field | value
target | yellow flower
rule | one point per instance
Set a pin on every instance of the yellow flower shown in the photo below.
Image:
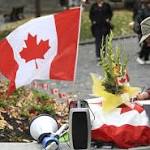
(117, 70)
(112, 101)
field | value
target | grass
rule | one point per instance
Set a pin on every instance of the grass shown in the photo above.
(120, 20)
(8, 27)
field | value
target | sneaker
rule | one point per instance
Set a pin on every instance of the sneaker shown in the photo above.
(147, 62)
(140, 61)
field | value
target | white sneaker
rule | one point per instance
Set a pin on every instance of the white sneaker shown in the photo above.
(147, 62)
(140, 61)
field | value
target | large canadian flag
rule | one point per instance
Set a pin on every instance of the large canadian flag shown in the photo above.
(43, 48)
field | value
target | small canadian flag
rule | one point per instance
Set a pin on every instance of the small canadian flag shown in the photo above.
(35, 84)
(55, 91)
(63, 95)
(45, 86)
(124, 80)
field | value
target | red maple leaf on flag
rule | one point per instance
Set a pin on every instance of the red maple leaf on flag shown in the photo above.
(122, 80)
(33, 49)
(136, 107)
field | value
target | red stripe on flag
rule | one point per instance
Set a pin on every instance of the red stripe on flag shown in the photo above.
(67, 27)
(8, 65)
(125, 136)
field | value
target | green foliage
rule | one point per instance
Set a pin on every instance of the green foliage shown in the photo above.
(121, 20)
(8, 27)
(48, 109)
(3, 104)
(4, 33)
(24, 102)
(85, 26)
(43, 96)
(41, 103)
(113, 66)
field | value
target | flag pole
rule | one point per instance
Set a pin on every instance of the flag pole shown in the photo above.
(76, 96)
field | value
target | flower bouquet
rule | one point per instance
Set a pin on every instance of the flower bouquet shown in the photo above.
(114, 85)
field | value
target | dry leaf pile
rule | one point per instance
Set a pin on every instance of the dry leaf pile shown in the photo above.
(17, 110)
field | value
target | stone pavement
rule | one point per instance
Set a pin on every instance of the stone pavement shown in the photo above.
(28, 146)
(35, 146)
(139, 76)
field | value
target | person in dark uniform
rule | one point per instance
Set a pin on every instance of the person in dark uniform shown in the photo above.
(64, 3)
(136, 7)
(143, 13)
(100, 15)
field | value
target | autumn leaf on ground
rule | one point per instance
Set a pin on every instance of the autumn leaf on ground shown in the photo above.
(33, 49)
(3, 122)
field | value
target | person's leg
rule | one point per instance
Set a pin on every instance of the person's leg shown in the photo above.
(144, 55)
(140, 57)
(144, 52)
(97, 46)
(141, 53)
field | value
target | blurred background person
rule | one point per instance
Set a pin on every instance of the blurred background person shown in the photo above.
(100, 15)
(64, 3)
(145, 28)
(142, 13)
(136, 7)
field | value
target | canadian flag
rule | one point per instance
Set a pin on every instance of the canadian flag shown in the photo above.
(63, 95)
(124, 80)
(125, 127)
(43, 48)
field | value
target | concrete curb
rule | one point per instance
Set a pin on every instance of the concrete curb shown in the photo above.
(91, 41)
(36, 146)
(20, 146)
(28, 146)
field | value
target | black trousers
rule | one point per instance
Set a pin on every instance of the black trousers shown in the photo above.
(145, 52)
